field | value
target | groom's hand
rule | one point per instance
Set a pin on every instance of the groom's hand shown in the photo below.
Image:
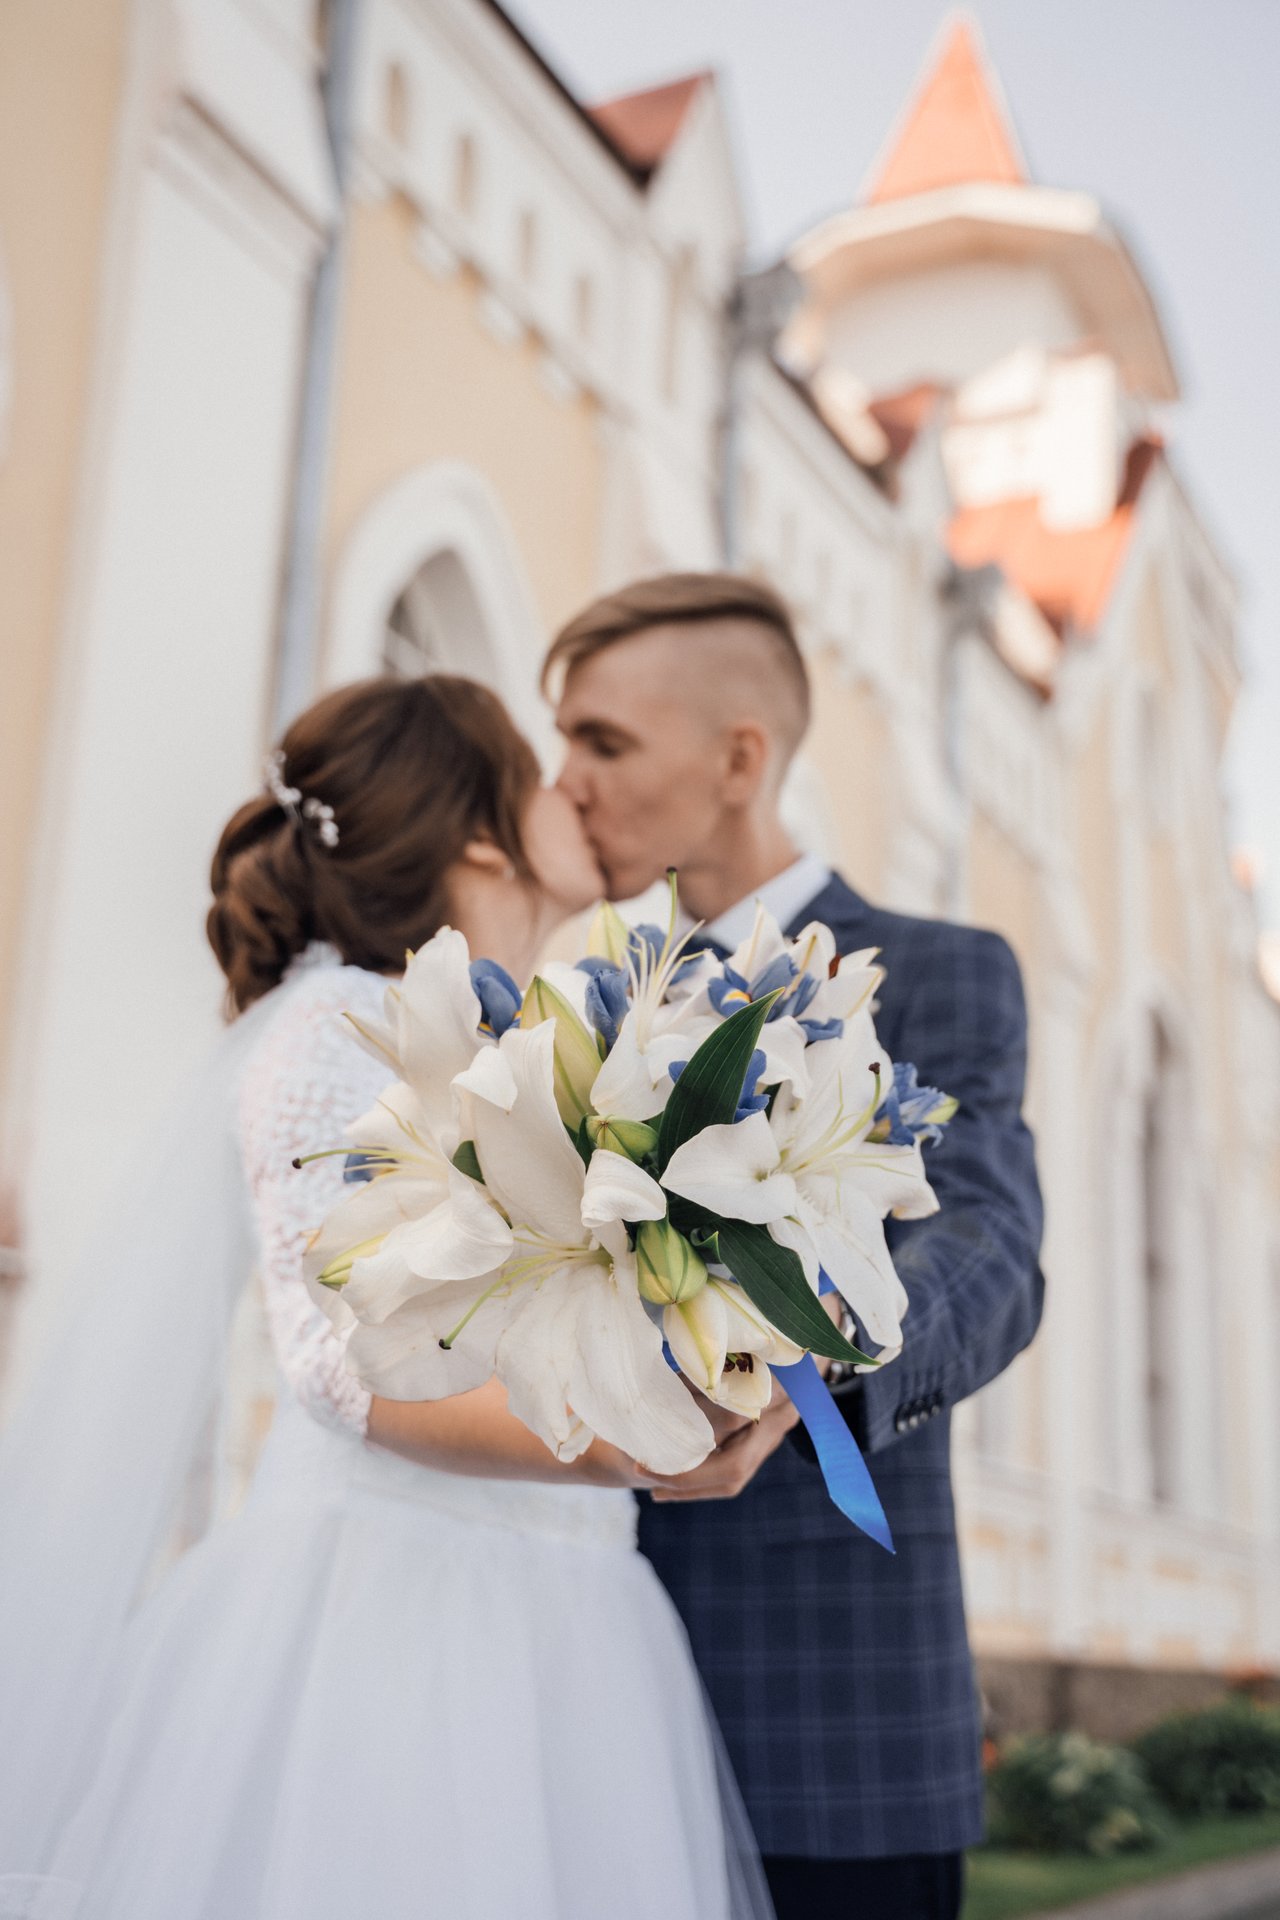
(736, 1462)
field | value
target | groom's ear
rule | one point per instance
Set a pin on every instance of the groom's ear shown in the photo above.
(749, 750)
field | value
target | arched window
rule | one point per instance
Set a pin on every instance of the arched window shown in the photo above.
(395, 105)
(432, 576)
(436, 623)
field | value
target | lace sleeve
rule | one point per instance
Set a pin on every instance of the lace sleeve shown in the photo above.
(303, 1085)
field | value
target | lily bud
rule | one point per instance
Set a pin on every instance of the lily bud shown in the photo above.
(668, 1267)
(631, 1138)
(608, 935)
(577, 1058)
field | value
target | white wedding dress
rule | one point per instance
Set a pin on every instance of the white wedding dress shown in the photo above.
(381, 1692)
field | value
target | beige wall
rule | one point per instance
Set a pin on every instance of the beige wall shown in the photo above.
(60, 81)
(422, 380)
(1004, 893)
(851, 746)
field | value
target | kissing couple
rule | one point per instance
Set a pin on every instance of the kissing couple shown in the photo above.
(425, 1670)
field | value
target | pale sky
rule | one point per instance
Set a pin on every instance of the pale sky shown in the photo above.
(1166, 109)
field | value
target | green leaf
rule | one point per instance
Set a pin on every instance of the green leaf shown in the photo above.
(707, 1241)
(467, 1161)
(707, 1092)
(773, 1280)
(582, 1140)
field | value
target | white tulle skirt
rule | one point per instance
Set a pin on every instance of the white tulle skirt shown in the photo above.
(381, 1693)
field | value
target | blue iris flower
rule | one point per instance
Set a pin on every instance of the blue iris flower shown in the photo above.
(607, 1000)
(733, 991)
(910, 1112)
(750, 1100)
(647, 935)
(499, 997)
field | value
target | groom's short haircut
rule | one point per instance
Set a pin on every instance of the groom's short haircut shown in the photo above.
(684, 600)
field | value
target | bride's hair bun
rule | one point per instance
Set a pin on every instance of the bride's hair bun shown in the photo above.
(370, 799)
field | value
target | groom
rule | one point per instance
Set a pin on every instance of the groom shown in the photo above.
(841, 1675)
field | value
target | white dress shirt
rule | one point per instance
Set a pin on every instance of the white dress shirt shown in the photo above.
(783, 897)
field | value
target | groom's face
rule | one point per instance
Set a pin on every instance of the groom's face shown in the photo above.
(644, 764)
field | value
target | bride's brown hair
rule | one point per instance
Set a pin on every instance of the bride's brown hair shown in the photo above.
(412, 770)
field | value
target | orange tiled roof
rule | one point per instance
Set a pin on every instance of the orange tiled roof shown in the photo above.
(955, 131)
(645, 126)
(1068, 574)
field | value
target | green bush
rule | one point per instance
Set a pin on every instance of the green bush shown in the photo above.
(1064, 1793)
(1224, 1759)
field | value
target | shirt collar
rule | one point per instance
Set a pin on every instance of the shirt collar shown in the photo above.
(783, 897)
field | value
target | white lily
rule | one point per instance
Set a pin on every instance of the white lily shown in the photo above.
(432, 1028)
(378, 1247)
(660, 1028)
(560, 1320)
(803, 968)
(847, 1184)
(725, 1346)
(813, 1176)
(359, 1265)
(735, 1170)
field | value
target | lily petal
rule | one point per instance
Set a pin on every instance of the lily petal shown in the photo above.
(439, 1021)
(629, 1086)
(621, 1385)
(853, 1251)
(401, 1357)
(489, 1077)
(461, 1238)
(398, 1123)
(790, 1234)
(617, 1189)
(530, 1164)
(733, 1170)
(697, 1332)
(747, 1330)
(765, 943)
(533, 1358)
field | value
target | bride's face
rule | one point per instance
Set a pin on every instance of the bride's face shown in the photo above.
(559, 851)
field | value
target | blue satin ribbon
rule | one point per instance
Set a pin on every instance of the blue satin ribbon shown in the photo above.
(843, 1468)
(839, 1456)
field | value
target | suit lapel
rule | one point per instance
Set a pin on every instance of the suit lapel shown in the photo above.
(839, 908)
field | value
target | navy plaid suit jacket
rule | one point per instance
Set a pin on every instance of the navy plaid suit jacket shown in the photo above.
(841, 1675)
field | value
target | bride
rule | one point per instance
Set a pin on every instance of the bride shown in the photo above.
(424, 1671)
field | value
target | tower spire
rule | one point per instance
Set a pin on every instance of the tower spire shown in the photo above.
(955, 130)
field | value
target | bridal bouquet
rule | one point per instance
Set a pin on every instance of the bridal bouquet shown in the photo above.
(651, 1161)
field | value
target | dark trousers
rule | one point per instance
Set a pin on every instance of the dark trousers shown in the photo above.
(910, 1886)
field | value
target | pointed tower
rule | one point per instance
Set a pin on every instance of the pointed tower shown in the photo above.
(956, 129)
(1010, 315)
